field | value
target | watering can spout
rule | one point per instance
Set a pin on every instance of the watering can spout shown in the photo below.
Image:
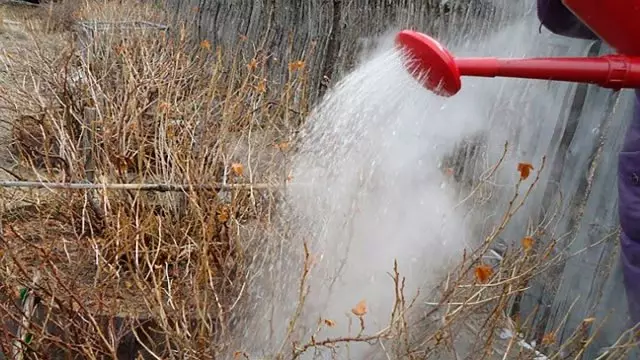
(439, 71)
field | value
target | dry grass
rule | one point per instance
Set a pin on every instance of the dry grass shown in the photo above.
(119, 271)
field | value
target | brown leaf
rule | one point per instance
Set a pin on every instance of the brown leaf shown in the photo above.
(329, 323)
(253, 64)
(261, 87)
(527, 243)
(237, 169)
(205, 44)
(525, 170)
(483, 273)
(360, 309)
(170, 131)
(283, 146)
(296, 65)
(240, 355)
(223, 213)
(549, 338)
(164, 107)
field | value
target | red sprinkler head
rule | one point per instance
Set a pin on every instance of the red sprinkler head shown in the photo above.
(431, 64)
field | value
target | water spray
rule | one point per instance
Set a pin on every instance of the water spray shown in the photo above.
(616, 23)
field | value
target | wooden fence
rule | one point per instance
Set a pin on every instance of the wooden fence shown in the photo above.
(327, 34)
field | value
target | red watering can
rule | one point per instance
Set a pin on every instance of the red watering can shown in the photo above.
(617, 22)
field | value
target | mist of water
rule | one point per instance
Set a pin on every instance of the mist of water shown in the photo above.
(369, 189)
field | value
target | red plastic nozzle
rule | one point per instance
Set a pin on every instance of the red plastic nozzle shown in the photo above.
(430, 63)
(440, 72)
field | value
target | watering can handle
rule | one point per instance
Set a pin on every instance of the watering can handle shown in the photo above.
(609, 71)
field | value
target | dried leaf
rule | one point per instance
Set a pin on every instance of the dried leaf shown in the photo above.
(360, 309)
(237, 169)
(549, 339)
(527, 243)
(240, 355)
(205, 44)
(253, 64)
(223, 213)
(296, 65)
(164, 107)
(119, 50)
(261, 87)
(329, 323)
(483, 273)
(170, 131)
(525, 170)
(283, 146)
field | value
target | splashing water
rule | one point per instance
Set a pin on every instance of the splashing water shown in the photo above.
(369, 189)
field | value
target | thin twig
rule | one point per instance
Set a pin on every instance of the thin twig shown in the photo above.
(136, 186)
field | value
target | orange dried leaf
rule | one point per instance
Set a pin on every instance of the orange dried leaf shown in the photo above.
(119, 49)
(527, 243)
(360, 309)
(483, 273)
(549, 339)
(252, 65)
(237, 169)
(261, 88)
(223, 214)
(525, 170)
(205, 44)
(296, 65)
(329, 323)
(239, 355)
(164, 107)
(283, 146)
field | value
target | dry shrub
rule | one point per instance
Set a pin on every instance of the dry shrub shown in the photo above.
(142, 106)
